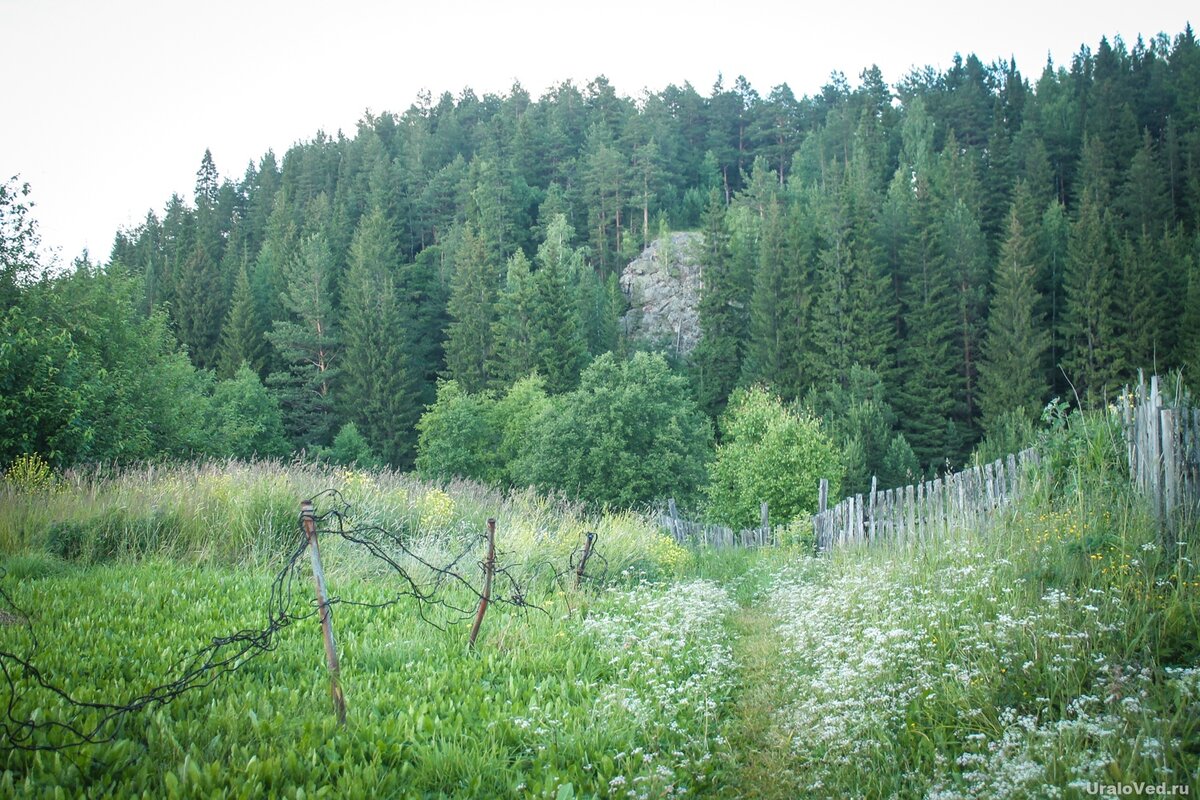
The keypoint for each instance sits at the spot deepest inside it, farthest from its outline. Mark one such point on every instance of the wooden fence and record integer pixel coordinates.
(698, 533)
(1163, 443)
(919, 512)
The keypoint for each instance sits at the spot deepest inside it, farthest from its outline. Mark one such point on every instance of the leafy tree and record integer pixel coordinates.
(769, 453)
(18, 240)
(629, 434)
(350, 448)
(246, 421)
(458, 437)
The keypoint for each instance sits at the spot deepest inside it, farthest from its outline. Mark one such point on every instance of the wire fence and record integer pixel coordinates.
(444, 593)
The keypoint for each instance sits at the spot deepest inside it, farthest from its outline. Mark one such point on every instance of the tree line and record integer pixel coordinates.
(923, 265)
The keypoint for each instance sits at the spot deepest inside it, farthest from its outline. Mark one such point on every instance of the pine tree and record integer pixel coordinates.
(1012, 373)
(242, 337)
(472, 309)
(378, 376)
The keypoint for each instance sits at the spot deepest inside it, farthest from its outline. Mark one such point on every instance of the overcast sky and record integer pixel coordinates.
(107, 107)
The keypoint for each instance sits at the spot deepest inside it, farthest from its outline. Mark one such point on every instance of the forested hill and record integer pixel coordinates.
(944, 252)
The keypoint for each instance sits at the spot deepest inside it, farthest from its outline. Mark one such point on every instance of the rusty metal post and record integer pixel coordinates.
(309, 521)
(587, 553)
(489, 569)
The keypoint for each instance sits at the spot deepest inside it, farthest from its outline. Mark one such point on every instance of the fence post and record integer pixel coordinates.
(583, 559)
(309, 522)
(765, 530)
(874, 507)
(1171, 459)
(489, 569)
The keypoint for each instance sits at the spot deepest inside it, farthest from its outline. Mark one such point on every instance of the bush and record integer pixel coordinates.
(769, 454)
(630, 433)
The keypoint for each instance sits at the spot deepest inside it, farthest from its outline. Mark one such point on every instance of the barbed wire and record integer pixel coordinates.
(91, 722)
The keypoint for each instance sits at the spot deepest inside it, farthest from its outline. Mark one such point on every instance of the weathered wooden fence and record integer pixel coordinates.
(698, 533)
(919, 512)
(1163, 442)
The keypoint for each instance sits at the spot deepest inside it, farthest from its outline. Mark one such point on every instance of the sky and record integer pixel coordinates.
(107, 107)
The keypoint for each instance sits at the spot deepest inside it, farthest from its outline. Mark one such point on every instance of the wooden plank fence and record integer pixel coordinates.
(921, 512)
(1162, 439)
(698, 533)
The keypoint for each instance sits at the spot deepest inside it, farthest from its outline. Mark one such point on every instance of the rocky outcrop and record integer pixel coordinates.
(663, 289)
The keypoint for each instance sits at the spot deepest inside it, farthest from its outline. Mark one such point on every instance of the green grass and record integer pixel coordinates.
(546, 701)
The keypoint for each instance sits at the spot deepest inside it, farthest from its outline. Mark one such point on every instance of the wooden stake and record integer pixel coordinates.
(489, 569)
(335, 684)
(587, 553)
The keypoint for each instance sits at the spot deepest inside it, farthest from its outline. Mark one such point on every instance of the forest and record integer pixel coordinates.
(921, 266)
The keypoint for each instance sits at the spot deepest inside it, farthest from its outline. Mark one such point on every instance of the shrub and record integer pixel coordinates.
(630, 433)
(769, 454)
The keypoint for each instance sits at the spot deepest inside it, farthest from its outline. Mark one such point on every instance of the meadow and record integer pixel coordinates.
(1054, 651)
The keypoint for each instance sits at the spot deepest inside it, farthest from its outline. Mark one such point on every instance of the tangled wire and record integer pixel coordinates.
(419, 579)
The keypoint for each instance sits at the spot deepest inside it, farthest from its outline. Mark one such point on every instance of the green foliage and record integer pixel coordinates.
(1012, 374)
(457, 437)
(629, 434)
(350, 448)
(559, 336)
(379, 373)
(859, 419)
(472, 309)
(246, 420)
(769, 453)
(307, 342)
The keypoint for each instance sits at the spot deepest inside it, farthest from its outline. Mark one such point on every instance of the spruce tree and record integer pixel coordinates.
(717, 358)
(472, 309)
(307, 345)
(242, 339)
(378, 377)
(1092, 353)
(561, 349)
(514, 330)
(930, 387)
(1012, 373)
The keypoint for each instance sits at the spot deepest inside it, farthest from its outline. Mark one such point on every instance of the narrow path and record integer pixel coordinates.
(762, 749)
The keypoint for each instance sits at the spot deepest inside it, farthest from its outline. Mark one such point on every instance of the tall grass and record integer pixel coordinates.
(246, 513)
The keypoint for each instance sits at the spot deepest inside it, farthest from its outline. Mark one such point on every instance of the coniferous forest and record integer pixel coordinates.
(923, 264)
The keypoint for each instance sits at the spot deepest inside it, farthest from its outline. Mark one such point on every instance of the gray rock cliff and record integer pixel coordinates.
(663, 289)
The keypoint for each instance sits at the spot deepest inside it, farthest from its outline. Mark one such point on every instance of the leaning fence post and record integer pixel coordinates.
(309, 521)
(587, 553)
(489, 569)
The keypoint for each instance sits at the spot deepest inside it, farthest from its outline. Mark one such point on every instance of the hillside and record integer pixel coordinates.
(967, 243)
